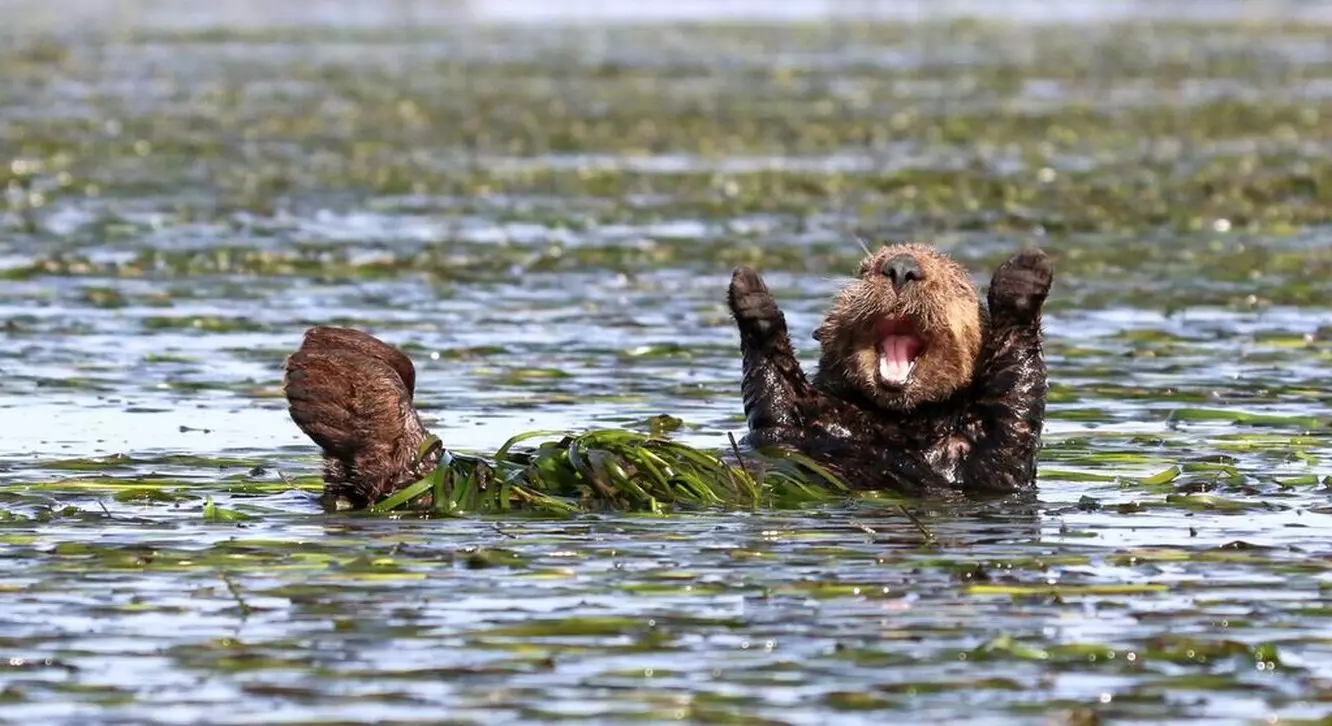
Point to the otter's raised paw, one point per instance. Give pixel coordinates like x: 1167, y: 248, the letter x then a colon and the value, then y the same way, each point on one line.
x: 1021, y: 284
x: 755, y: 310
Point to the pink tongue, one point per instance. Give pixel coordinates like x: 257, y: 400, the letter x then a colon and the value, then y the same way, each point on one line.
x: 895, y: 355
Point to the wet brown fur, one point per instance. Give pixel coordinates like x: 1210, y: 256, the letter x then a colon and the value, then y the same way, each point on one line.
x: 352, y: 395
x: 944, y: 308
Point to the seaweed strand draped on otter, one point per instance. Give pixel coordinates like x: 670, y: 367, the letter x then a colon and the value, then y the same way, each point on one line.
x: 920, y: 389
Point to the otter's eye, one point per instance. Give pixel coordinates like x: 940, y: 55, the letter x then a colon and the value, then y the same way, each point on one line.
x: 902, y: 270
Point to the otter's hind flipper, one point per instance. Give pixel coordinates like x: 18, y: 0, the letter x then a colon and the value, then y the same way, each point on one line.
x: 352, y: 395
x: 1011, y: 377
x: 774, y: 382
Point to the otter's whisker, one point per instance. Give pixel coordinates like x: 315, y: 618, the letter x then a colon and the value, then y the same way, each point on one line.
x: 864, y: 242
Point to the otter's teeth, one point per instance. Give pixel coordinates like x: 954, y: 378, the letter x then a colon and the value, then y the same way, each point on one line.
x: 897, y: 355
x: 887, y: 371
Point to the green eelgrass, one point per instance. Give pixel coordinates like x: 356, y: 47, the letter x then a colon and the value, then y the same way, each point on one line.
x: 612, y: 469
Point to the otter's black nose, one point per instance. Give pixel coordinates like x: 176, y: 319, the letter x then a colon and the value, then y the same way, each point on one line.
x: 902, y: 270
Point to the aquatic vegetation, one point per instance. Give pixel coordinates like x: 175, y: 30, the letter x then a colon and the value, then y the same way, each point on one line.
x: 616, y: 469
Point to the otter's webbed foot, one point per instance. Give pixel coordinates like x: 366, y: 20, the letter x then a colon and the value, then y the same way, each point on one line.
x: 352, y: 395
x: 773, y: 379
x: 1011, y: 378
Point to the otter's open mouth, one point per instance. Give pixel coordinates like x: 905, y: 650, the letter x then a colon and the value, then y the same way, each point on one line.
x: 899, y: 349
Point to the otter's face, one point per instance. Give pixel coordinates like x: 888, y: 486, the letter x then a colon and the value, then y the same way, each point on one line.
x: 907, y: 331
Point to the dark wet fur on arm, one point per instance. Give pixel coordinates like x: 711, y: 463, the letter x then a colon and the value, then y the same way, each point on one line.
x: 1008, y: 402
x: 774, y: 384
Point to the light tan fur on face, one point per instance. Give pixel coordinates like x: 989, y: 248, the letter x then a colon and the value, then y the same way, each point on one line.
x: 944, y: 308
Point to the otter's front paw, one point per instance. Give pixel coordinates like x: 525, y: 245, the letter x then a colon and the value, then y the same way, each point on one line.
x: 755, y: 310
x: 1021, y: 284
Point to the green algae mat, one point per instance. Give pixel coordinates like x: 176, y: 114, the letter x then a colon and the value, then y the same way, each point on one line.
x: 545, y: 217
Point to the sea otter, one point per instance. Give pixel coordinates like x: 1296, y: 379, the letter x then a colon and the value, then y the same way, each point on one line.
x: 920, y: 389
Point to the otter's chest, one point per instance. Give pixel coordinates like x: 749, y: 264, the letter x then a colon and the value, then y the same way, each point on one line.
x: 947, y: 446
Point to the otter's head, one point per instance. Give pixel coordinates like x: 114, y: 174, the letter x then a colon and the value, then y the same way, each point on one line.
x: 906, y: 331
